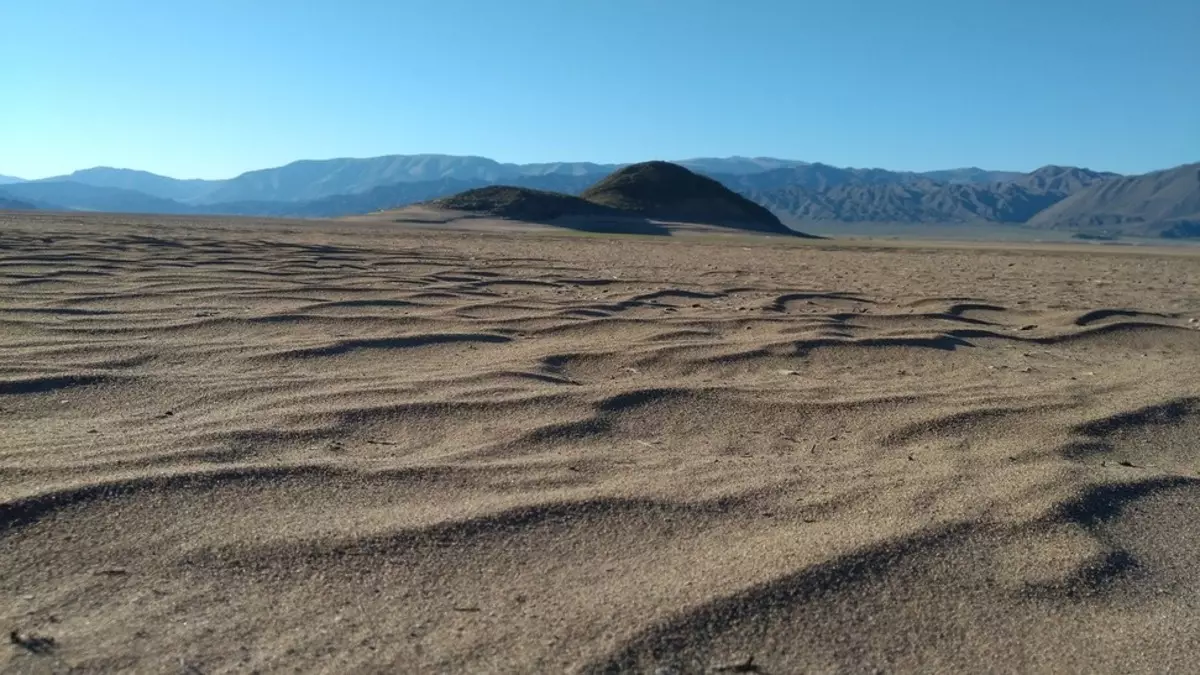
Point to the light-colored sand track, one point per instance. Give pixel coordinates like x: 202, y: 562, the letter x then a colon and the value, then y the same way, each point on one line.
x: 229, y: 446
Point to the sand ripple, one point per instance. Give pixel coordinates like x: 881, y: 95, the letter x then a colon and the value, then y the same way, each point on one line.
x: 231, y: 446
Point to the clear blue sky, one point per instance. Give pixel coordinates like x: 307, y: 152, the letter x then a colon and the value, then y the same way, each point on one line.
x: 211, y: 88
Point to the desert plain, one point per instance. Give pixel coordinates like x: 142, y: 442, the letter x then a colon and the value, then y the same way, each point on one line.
x: 236, y: 446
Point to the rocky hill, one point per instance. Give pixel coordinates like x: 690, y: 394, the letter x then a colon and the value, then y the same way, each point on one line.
x: 518, y: 203
x: 666, y: 191
x: 651, y: 191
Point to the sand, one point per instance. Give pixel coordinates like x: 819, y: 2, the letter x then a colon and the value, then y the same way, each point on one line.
x: 236, y: 446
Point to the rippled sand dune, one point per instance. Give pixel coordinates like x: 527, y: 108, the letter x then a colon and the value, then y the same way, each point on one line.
x: 231, y: 446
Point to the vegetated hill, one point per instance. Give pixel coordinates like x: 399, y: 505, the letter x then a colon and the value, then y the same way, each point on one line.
x: 1162, y: 203
x: 145, y: 182
x: 8, y: 180
x: 519, y: 203
x: 71, y: 196
x: 666, y: 191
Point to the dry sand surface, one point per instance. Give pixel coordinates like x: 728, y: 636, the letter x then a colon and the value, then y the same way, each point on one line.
x: 231, y: 446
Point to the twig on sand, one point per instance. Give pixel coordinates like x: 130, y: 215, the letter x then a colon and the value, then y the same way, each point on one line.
x: 37, y: 644
x: 112, y: 572
x: 747, y: 666
x: 1125, y: 463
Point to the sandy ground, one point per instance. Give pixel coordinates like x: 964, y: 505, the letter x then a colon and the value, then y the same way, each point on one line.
x: 229, y: 446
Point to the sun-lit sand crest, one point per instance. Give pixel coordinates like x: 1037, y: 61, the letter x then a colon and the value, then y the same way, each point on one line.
x: 359, y: 447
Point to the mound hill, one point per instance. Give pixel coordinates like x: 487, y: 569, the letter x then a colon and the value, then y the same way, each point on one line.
x: 519, y: 203
x: 666, y: 191
x: 645, y: 192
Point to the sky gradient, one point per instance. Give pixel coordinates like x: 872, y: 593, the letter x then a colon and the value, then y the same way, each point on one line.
x: 212, y: 88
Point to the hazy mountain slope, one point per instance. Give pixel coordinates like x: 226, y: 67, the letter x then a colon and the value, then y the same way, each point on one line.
x: 519, y: 203
x: 569, y: 184
x: 971, y: 174
x: 819, y: 176
x: 815, y: 176
x: 919, y: 202
x: 313, y: 179
x: 1159, y: 203
x: 392, y: 196
x: 7, y: 204
x: 309, y: 180
x: 874, y: 195
x: 145, y: 182
x: 15, y: 203
x: 73, y: 196
x: 1061, y: 180
x: 565, y: 169
x: 737, y: 165
x: 375, y: 199
x: 7, y: 180
x: 811, y: 176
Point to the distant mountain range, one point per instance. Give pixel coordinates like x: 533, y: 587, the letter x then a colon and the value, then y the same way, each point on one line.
x: 1054, y: 197
x: 873, y: 196
x: 5, y: 180
x: 310, y: 180
x: 74, y: 196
